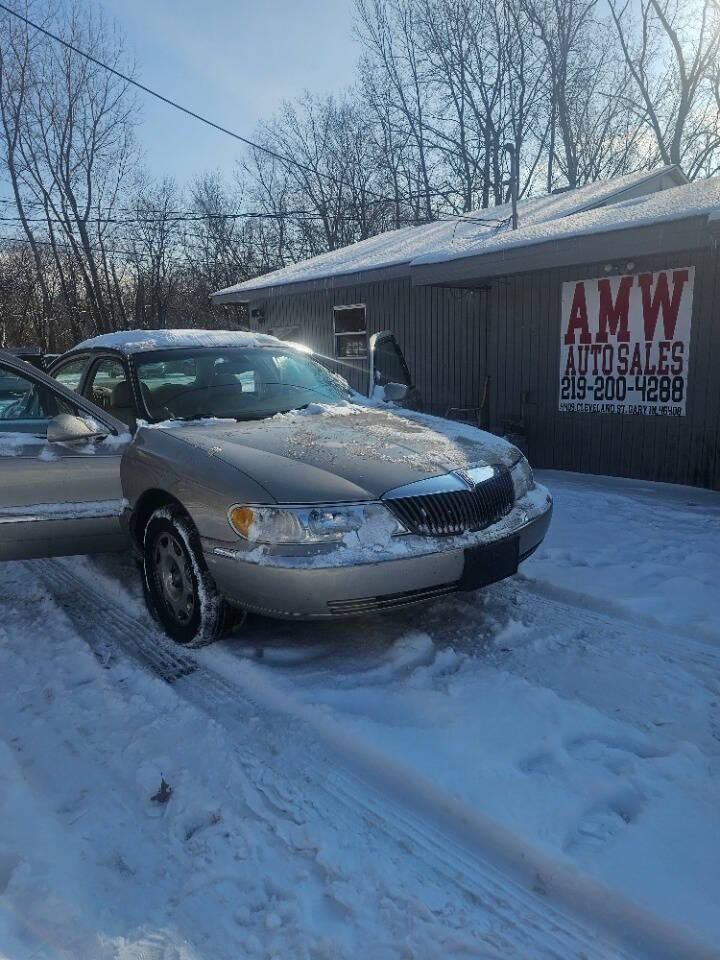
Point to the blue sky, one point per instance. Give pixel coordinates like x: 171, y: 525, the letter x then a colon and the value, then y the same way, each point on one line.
x: 232, y: 60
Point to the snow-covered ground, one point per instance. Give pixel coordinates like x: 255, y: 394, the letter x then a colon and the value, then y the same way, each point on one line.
x: 531, y: 771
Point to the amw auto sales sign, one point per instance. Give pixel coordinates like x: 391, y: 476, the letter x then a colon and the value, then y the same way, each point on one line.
x: 625, y: 343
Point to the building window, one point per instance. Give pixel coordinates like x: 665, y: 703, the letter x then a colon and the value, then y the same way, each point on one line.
x: 350, y: 329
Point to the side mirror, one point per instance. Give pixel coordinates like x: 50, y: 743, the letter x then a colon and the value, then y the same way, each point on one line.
x: 394, y: 392
x: 68, y: 429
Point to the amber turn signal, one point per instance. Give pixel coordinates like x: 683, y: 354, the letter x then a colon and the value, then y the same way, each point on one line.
x: 241, y: 519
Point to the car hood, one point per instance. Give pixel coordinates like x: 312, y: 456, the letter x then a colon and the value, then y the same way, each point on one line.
x: 326, y: 454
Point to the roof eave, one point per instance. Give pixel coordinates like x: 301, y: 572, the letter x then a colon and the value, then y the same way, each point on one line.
x: 618, y: 244
x: 356, y: 278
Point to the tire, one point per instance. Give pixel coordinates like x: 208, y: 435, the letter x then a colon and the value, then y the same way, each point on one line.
x: 179, y: 590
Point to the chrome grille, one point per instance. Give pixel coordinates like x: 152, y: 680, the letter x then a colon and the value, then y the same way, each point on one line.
x: 451, y: 512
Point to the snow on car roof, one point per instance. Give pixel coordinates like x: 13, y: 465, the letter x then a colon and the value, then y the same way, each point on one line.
x: 140, y: 341
x: 444, y: 238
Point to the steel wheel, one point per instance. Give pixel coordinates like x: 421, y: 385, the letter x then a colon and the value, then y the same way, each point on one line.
x: 179, y: 590
x: 174, y: 577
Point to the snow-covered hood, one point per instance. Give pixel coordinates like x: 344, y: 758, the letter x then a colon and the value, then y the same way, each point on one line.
x: 344, y: 453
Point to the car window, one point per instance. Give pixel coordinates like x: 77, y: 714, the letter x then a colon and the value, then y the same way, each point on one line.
x: 109, y: 388
x: 25, y: 406
x: 156, y: 376
x: 245, y: 384
x: 390, y: 366
x: 162, y: 380
x: 294, y: 370
x: 70, y: 373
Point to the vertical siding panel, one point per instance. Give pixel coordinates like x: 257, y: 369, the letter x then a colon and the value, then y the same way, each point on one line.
x: 493, y: 353
x: 474, y: 321
x: 438, y: 351
x: 502, y: 348
x: 712, y: 394
x: 547, y: 387
x: 564, y: 422
x: 507, y: 338
x: 548, y: 454
x: 440, y: 341
x: 512, y: 372
x: 453, y: 387
x: 445, y: 360
x: 411, y: 325
x: 523, y: 337
x: 530, y: 367
x: 703, y: 361
x: 425, y: 354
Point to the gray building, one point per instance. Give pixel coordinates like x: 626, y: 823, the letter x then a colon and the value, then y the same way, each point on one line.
x: 591, y: 330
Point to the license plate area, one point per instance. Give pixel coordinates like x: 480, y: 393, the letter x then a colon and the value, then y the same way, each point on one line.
x: 490, y: 562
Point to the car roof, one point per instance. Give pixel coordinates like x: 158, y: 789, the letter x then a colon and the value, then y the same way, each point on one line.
x: 142, y: 341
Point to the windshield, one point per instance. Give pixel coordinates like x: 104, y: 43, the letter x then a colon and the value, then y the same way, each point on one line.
x: 243, y: 383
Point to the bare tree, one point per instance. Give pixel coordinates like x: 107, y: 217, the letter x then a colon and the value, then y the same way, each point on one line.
x: 671, y: 50
x: 335, y: 195
x: 68, y: 144
x: 390, y: 33
x: 18, y: 46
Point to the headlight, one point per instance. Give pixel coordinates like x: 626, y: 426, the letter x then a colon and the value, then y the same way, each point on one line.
x: 372, y: 522
x: 522, y: 478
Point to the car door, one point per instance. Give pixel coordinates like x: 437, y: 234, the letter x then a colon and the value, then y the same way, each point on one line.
x: 388, y: 368
x: 108, y: 386
x: 71, y: 371
x: 56, y: 497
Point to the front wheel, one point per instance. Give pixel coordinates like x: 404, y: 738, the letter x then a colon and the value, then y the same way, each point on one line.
x: 179, y: 589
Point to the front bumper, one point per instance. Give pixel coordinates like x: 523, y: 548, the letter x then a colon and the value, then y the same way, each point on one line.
x: 289, y: 588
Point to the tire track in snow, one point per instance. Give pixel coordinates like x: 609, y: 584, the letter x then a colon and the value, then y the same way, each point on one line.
x: 689, y: 645
x: 633, y: 644
x: 536, y: 929
x: 545, y: 909
x: 564, y: 638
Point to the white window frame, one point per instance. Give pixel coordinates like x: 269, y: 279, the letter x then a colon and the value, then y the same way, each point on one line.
x: 355, y: 333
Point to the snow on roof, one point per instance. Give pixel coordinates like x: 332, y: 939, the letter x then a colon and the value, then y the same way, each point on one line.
x: 140, y: 341
x: 443, y: 239
x: 676, y: 203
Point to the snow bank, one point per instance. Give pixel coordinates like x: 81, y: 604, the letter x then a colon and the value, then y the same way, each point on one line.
x: 660, y: 565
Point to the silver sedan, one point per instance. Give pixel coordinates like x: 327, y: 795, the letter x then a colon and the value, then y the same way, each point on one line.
x: 246, y: 477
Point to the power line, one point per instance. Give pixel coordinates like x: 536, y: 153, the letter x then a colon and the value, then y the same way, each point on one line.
x: 186, y: 217
x: 290, y: 161
x: 178, y: 257
x: 193, y: 216
x: 178, y: 106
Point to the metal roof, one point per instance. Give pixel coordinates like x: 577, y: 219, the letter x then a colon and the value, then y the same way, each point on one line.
x: 396, y: 253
